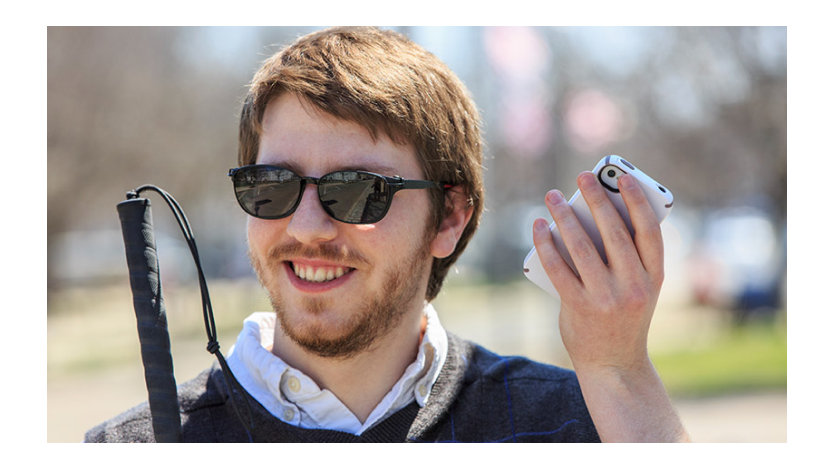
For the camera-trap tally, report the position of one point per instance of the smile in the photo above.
(319, 273)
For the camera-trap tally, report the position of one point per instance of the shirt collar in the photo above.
(295, 398)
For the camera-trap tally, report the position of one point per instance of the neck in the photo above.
(349, 378)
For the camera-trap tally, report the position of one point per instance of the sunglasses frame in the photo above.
(393, 184)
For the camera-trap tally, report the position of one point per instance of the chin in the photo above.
(329, 341)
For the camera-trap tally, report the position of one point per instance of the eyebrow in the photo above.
(372, 167)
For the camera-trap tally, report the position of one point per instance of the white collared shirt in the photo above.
(293, 397)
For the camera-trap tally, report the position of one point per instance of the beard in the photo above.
(375, 316)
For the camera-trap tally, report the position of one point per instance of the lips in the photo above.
(319, 274)
(315, 276)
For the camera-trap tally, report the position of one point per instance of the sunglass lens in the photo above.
(267, 193)
(354, 197)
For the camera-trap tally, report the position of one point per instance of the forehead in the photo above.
(297, 134)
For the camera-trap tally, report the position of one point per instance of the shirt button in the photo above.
(294, 384)
(289, 414)
(422, 389)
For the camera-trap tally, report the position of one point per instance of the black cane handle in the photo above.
(152, 324)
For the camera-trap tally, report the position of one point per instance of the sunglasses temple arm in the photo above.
(421, 184)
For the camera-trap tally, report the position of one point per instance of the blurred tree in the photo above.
(127, 106)
(703, 108)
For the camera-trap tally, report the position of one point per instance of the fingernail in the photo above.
(555, 196)
(540, 225)
(627, 181)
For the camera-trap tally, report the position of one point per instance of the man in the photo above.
(360, 168)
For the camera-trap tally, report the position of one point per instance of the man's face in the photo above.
(337, 287)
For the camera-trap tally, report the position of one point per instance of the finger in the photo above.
(560, 274)
(648, 237)
(619, 247)
(581, 248)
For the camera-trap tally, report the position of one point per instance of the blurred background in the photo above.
(701, 109)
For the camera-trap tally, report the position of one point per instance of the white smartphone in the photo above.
(608, 171)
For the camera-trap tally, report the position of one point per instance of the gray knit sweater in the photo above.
(478, 397)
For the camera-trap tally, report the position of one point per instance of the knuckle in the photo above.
(584, 249)
(653, 232)
(547, 257)
(647, 227)
(620, 236)
(561, 213)
(607, 304)
(595, 197)
(635, 298)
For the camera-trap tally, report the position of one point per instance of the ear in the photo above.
(459, 211)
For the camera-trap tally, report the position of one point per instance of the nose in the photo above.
(309, 223)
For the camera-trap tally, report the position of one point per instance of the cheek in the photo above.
(407, 222)
(260, 234)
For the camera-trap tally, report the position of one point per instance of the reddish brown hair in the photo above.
(386, 83)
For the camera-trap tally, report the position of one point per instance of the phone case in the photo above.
(660, 198)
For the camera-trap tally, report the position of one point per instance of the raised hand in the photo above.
(607, 310)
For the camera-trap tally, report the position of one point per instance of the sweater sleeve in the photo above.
(134, 425)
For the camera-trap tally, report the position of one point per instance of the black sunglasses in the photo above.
(353, 197)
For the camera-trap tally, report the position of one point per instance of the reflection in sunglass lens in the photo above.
(267, 193)
(354, 197)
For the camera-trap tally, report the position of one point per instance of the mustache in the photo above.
(342, 255)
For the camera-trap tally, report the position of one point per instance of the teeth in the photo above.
(321, 274)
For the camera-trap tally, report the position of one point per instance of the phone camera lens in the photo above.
(611, 173)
